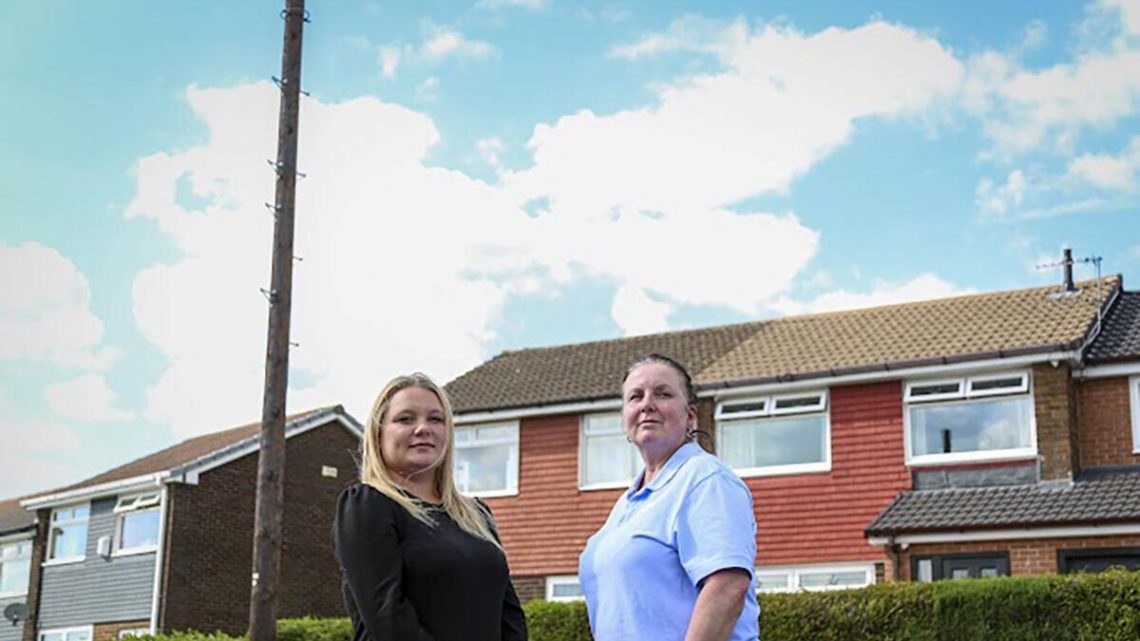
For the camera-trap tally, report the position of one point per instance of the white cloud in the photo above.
(442, 42)
(389, 59)
(45, 313)
(636, 313)
(1032, 110)
(489, 150)
(1001, 199)
(85, 398)
(1107, 171)
(37, 455)
(500, 4)
(408, 266)
(690, 32)
(785, 101)
(921, 287)
(428, 90)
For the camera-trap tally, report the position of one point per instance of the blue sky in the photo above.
(501, 174)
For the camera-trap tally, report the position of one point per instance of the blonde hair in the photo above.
(465, 511)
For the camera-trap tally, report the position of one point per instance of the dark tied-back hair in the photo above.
(654, 357)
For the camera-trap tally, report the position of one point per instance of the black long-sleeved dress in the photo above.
(406, 581)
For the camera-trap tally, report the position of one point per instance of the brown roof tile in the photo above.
(14, 518)
(180, 454)
(963, 327)
(584, 371)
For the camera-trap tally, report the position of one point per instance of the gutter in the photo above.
(140, 482)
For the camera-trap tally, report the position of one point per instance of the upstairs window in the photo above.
(68, 537)
(782, 434)
(487, 458)
(607, 459)
(982, 417)
(15, 567)
(137, 523)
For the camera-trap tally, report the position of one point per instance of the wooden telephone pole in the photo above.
(271, 465)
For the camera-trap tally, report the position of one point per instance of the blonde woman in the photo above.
(419, 560)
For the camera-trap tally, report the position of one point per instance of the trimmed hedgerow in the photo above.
(1080, 607)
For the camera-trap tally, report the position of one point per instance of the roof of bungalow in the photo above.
(932, 332)
(198, 453)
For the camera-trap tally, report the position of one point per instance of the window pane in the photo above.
(80, 512)
(770, 442)
(603, 424)
(79, 635)
(9, 552)
(989, 573)
(495, 432)
(566, 590)
(14, 576)
(69, 540)
(926, 570)
(464, 434)
(853, 578)
(959, 573)
(139, 529)
(996, 383)
(609, 459)
(975, 426)
(772, 582)
(481, 469)
(51, 636)
(918, 391)
(799, 401)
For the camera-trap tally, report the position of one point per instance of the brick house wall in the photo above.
(1058, 442)
(817, 518)
(806, 518)
(1104, 407)
(1029, 556)
(209, 556)
(110, 631)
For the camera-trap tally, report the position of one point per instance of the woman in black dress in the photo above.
(419, 561)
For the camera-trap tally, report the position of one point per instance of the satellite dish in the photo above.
(16, 612)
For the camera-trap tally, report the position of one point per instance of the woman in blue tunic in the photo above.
(674, 560)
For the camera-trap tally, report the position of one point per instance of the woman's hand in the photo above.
(719, 604)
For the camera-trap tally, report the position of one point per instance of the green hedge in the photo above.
(1100, 607)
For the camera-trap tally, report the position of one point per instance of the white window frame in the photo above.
(1134, 392)
(18, 542)
(796, 572)
(583, 458)
(135, 504)
(64, 560)
(821, 408)
(512, 488)
(552, 581)
(966, 396)
(89, 629)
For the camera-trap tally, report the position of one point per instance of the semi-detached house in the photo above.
(164, 543)
(978, 435)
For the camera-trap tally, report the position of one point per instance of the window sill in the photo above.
(13, 595)
(71, 560)
(998, 456)
(613, 485)
(783, 470)
(491, 494)
(150, 549)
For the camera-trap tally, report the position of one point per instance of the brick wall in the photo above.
(1105, 412)
(546, 525)
(1056, 409)
(529, 588)
(210, 554)
(814, 518)
(110, 631)
(1037, 556)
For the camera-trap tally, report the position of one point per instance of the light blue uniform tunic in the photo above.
(640, 571)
